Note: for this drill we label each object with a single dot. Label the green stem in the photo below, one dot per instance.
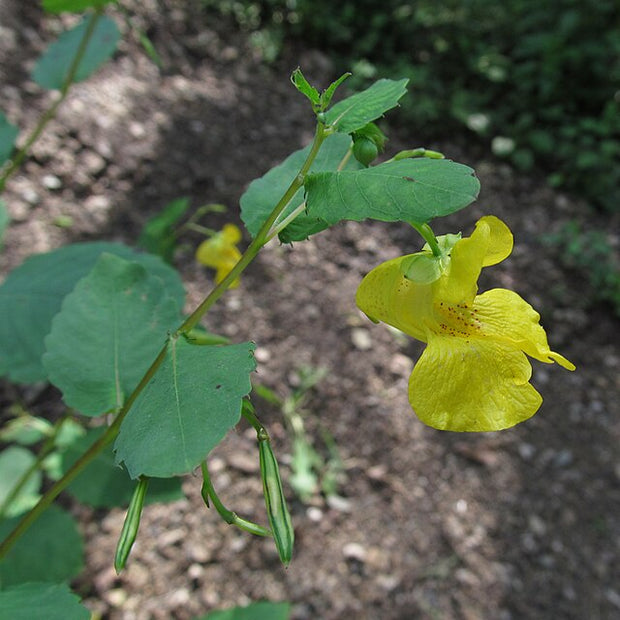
(208, 493)
(247, 411)
(429, 236)
(50, 113)
(282, 224)
(259, 241)
(95, 449)
(261, 238)
(208, 232)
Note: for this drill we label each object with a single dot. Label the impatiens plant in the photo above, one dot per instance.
(103, 323)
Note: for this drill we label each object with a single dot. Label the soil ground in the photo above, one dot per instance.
(511, 525)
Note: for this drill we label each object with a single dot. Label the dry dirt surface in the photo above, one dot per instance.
(511, 525)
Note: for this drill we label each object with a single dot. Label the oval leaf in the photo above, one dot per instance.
(54, 538)
(193, 400)
(103, 484)
(53, 66)
(263, 194)
(30, 601)
(14, 463)
(32, 295)
(362, 108)
(409, 190)
(109, 330)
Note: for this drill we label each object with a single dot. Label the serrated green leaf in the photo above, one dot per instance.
(409, 190)
(53, 66)
(261, 610)
(103, 484)
(193, 400)
(156, 236)
(109, 330)
(304, 87)
(32, 295)
(8, 133)
(41, 601)
(14, 462)
(262, 194)
(75, 6)
(49, 551)
(360, 109)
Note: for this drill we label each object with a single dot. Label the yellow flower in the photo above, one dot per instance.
(473, 375)
(220, 252)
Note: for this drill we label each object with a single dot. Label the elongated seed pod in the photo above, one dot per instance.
(277, 510)
(131, 525)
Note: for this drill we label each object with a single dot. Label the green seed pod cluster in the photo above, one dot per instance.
(277, 510)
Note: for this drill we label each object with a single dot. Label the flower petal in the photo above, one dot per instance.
(500, 240)
(472, 385)
(507, 317)
(231, 234)
(386, 295)
(214, 252)
(490, 243)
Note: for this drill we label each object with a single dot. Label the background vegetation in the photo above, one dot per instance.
(540, 81)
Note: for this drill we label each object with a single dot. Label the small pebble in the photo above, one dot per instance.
(361, 339)
(52, 182)
(354, 551)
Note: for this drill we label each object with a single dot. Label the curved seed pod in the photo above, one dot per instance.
(131, 525)
(277, 510)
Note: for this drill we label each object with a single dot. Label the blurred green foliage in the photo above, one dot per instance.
(591, 254)
(540, 81)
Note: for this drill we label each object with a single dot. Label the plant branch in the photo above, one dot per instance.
(262, 237)
(50, 113)
(429, 236)
(232, 518)
(259, 241)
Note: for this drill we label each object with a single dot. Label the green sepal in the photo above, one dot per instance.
(422, 268)
(445, 243)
